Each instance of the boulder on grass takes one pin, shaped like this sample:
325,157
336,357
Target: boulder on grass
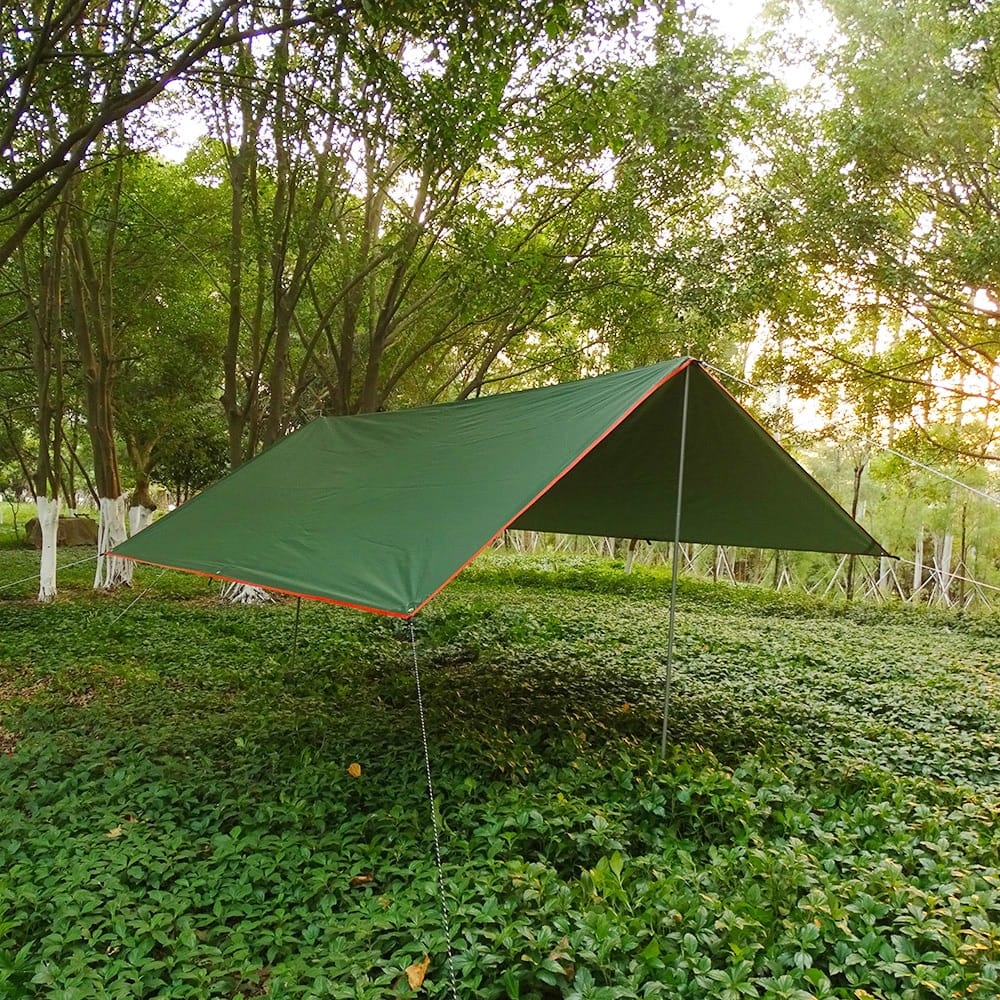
72,531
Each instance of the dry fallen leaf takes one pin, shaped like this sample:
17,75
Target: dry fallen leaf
354,770
115,831
359,880
415,973
560,951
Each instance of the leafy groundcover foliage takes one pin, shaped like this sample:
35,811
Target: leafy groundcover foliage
179,814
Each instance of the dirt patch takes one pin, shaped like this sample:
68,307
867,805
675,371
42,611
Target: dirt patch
8,741
21,689
78,689
84,696
253,984
13,687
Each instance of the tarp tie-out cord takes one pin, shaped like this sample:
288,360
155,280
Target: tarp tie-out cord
877,445
445,916
295,632
79,562
135,600
35,576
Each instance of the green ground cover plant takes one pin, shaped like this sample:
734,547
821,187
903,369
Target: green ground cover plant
179,816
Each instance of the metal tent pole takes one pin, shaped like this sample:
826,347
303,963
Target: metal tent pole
673,572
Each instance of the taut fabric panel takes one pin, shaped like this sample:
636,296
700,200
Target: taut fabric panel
380,510
740,486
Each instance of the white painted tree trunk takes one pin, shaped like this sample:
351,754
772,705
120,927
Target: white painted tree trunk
48,522
244,593
111,573
945,573
723,564
884,585
630,554
139,517
918,565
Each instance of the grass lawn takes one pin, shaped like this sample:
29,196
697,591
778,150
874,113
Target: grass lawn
178,817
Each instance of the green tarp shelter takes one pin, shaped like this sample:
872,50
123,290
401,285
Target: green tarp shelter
380,511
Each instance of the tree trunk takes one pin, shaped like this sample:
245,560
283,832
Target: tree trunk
141,504
111,573
630,554
139,516
918,565
962,556
244,593
235,416
45,321
282,290
93,325
48,523
944,566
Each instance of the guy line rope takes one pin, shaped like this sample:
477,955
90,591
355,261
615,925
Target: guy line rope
875,444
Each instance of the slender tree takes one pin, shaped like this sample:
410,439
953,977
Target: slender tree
169,316
34,400
880,189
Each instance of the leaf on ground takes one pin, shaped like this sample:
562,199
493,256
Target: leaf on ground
561,954
415,973
115,831
561,950
354,770
360,880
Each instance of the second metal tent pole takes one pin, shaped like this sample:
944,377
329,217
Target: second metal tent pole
674,567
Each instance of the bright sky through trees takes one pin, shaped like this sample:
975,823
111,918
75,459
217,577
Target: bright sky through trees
734,17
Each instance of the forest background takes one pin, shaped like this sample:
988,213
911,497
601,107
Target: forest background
379,205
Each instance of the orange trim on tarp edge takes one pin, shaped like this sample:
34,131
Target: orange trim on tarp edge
264,586
569,468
